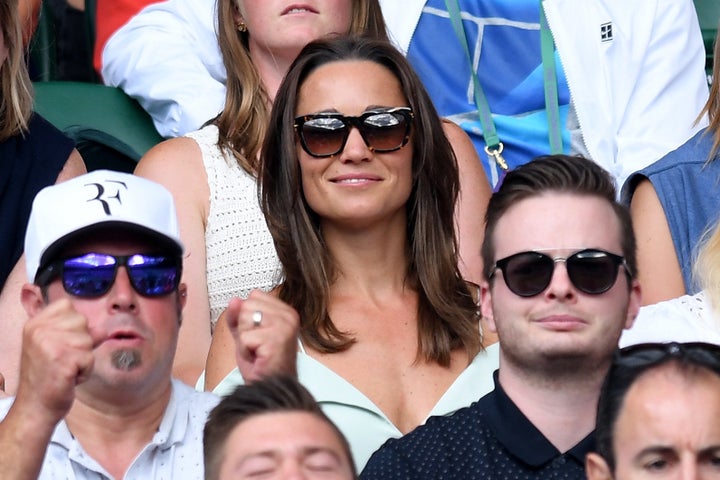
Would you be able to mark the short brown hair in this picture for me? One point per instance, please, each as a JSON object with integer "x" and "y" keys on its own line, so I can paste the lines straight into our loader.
{"x": 561, "y": 174}
{"x": 269, "y": 395}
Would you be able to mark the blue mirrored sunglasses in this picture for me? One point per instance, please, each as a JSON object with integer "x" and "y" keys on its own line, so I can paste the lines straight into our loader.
{"x": 93, "y": 274}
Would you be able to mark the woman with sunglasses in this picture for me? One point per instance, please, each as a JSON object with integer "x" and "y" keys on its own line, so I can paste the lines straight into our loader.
{"x": 212, "y": 172}
{"x": 358, "y": 186}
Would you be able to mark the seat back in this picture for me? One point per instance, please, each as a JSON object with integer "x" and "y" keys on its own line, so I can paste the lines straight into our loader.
{"x": 110, "y": 129}
{"x": 45, "y": 47}
{"x": 708, "y": 12}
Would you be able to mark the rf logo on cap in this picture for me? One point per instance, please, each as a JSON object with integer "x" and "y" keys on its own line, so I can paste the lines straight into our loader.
{"x": 101, "y": 192}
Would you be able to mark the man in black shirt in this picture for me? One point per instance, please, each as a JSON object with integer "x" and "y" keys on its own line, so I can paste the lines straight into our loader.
{"x": 559, "y": 287}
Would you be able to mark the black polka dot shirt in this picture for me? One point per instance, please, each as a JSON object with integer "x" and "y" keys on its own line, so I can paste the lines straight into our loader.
{"x": 491, "y": 439}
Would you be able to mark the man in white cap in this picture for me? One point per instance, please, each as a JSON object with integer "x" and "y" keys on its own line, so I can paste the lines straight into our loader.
{"x": 95, "y": 397}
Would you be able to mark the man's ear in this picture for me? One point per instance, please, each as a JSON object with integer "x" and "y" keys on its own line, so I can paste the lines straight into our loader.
{"x": 596, "y": 468}
{"x": 181, "y": 301}
{"x": 32, "y": 299}
{"x": 633, "y": 304}
{"x": 486, "y": 306}
{"x": 182, "y": 294}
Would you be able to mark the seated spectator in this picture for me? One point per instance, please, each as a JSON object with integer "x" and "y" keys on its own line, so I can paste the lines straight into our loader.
{"x": 164, "y": 57}
{"x": 358, "y": 187}
{"x": 213, "y": 172}
{"x": 95, "y": 397}
{"x": 627, "y": 120}
{"x": 559, "y": 288}
{"x": 276, "y": 429}
{"x": 689, "y": 318}
{"x": 636, "y": 71}
{"x": 33, "y": 155}
{"x": 657, "y": 47}
{"x": 71, "y": 41}
{"x": 674, "y": 202}
{"x": 110, "y": 16}
{"x": 659, "y": 414}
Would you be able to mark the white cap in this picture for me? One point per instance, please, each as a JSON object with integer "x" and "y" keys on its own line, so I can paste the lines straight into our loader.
{"x": 98, "y": 200}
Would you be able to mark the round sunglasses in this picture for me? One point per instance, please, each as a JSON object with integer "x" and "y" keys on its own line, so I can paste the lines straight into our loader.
{"x": 325, "y": 134}
{"x": 93, "y": 274}
{"x": 591, "y": 271}
{"x": 644, "y": 355}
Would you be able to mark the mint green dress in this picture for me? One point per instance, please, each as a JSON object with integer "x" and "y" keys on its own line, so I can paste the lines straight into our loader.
{"x": 361, "y": 421}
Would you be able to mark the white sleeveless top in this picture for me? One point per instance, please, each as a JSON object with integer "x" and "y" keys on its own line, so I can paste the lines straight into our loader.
{"x": 240, "y": 251}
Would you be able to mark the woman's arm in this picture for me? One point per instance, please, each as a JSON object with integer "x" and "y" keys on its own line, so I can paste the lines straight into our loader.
{"x": 221, "y": 358}
{"x": 177, "y": 165}
{"x": 470, "y": 210}
{"x": 13, "y": 314}
{"x": 659, "y": 269}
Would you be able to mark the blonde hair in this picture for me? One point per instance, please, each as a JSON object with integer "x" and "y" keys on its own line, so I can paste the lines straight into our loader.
{"x": 17, "y": 100}
{"x": 706, "y": 268}
{"x": 243, "y": 121}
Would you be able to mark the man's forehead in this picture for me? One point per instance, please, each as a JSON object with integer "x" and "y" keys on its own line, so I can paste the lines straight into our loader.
{"x": 558, "y": 221}
{"x": 114, "y": 241}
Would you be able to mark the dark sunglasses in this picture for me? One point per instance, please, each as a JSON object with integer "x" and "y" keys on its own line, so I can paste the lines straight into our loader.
{"x": 529, "y": 273}
{"x": 93, "y": 274}
{"x": 325, "y": 134}
{"x": 649, "y": 354}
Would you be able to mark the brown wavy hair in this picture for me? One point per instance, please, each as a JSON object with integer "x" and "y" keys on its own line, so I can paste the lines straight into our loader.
{"x": 447, "y": 314}
{"x": 273, "y": 394}
{"x": 243, "y": 121}
{"x": 17, "y": 94}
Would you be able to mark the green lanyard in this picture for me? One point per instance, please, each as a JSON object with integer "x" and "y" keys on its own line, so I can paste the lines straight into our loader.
{"x": 493, "y": 145}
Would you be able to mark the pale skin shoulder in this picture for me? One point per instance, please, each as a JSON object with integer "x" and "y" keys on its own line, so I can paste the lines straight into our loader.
{"x": 74, "y": 167}
{"x": 659, "y": 269}
{"x": 221, "y": 357}
{"x": 474, "y": 196}
{"x": 177, "y": 165}
{"x": 14, "y": 316}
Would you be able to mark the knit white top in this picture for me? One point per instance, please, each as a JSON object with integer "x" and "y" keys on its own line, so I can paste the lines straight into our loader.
{"x": 240, "y": 251}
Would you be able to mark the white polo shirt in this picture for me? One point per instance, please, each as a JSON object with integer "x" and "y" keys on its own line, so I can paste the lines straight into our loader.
{"x": 176, "y": 450}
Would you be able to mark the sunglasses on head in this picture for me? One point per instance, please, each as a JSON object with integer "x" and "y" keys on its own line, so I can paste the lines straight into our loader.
{"x": 325, "y": 134}
{"x": 648, "y": 354}
{"x": 93, "y": 274}
{"x": 591, "y": 271}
